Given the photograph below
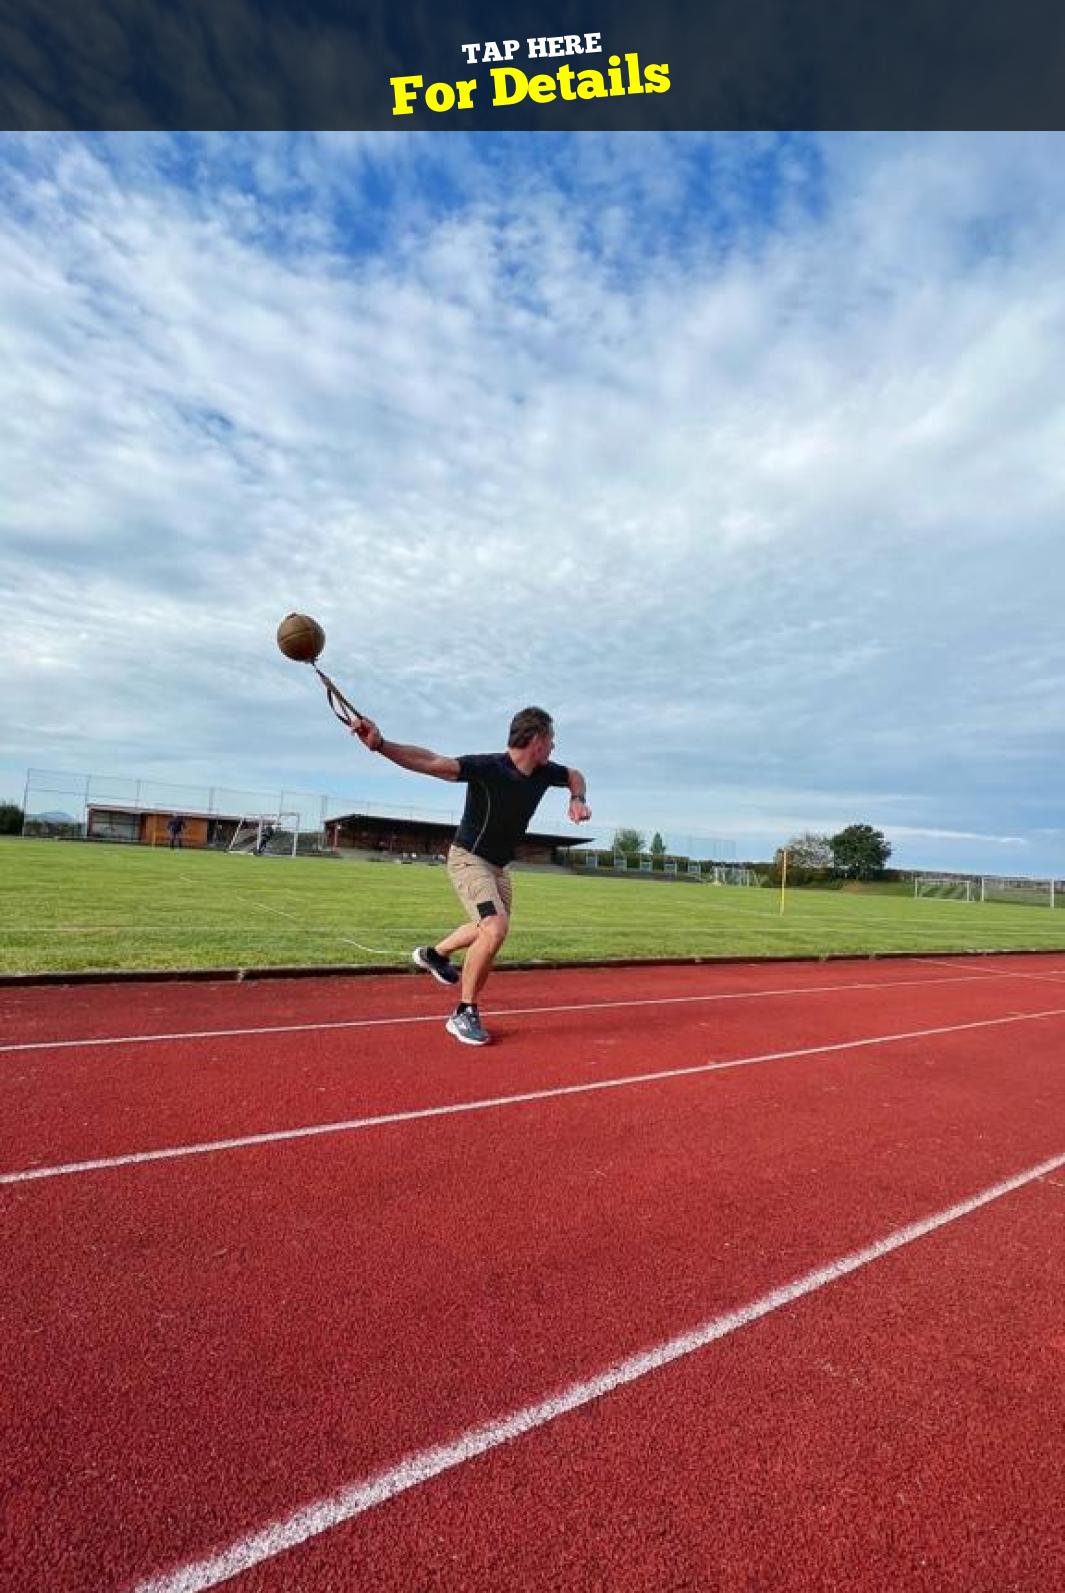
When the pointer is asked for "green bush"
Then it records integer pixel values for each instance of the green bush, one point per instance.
(10, 819)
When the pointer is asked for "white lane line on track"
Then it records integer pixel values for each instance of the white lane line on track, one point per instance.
(1053, 978)
(458, 1108)
(312, 1520)
(498, 1012)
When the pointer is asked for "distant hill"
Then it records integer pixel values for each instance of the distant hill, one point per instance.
(55, 817)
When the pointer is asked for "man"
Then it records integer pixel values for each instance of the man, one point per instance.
(503, 792)
(176, 829)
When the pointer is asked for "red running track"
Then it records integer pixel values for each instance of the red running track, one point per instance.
(204, 1344)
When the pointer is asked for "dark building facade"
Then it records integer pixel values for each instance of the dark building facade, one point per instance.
(367, 832)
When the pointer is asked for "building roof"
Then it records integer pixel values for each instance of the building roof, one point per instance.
(189, 813)
(446, 827)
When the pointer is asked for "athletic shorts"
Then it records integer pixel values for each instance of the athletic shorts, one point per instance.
(482, 888)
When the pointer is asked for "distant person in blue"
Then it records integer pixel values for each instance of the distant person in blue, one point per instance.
(175, 829)
(503, 791)
(265, 838)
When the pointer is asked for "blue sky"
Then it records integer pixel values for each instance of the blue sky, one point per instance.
(743, 454)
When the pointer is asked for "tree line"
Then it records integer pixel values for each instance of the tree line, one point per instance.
(857, 852)
(10, 819)
(631, 843)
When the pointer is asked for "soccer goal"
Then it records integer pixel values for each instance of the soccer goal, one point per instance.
(266, 835)
(1020, 892)
(731, 874)
(947, 887)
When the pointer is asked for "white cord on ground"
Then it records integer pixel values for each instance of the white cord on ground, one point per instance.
(329, 934)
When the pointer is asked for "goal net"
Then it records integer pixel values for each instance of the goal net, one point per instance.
(731, 874)
(947, 887)
(266, 835)
(1020, 892)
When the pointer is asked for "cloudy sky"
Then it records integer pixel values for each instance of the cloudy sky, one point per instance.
(744, 455)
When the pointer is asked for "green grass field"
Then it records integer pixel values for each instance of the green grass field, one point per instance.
(66, 907)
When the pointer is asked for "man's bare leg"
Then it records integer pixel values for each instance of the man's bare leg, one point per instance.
(465, 935)
(489, 935)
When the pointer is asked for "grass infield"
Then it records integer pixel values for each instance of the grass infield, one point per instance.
(67, 908)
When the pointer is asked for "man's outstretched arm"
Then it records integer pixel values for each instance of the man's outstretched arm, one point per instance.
(418, 759)
(579, 810)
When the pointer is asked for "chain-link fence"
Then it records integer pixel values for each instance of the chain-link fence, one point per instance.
(79, 805)
(71, 805)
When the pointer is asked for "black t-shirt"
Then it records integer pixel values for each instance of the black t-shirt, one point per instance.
(500, 801)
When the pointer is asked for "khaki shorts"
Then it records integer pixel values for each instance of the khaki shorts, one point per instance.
(482, 888)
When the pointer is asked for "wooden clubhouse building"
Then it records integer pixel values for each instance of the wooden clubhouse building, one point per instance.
(346, 834)
(119, 821)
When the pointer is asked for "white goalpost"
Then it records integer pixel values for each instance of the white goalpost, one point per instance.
(266, 835)
(732, 874)
(1021, 892)
(947, 887)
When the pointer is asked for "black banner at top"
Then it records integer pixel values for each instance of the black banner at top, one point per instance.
(572, 65)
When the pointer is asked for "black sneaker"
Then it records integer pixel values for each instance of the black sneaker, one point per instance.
(466, 1026)
(441, 968)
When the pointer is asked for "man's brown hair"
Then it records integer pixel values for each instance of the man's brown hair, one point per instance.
(527, 725)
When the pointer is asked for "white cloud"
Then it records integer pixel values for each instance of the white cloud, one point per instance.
(753, 493)
(898, 830)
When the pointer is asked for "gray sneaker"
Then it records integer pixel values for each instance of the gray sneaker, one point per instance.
(466, 1026)
(441, 968)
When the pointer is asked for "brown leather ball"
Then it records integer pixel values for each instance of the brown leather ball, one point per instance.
(300, 637)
